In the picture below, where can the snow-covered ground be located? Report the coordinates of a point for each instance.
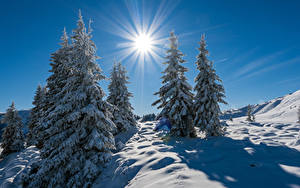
(246, 157)
(265, 153)
(12, 166)
(250, 155)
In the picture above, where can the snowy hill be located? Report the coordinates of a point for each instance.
(281, 109)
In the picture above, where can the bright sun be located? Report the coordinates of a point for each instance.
(143, 43)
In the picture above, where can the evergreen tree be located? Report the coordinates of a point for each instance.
(57, 80)
(209, 92)
(119, 97)
(298, 115)
(250, 115)
(35, 115)
(175, 96)
(12, 136)
(79, 128)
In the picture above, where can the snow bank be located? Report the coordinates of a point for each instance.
(12, 166)
(237, 160)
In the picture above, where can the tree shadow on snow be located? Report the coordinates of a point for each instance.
(239, 163)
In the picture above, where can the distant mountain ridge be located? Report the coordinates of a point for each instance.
(281, 109)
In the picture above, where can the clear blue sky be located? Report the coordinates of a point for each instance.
(255, 45)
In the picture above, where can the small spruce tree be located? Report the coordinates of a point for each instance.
(175, 96)
(79, 128)
(250, 115)
(298, 115)
(12, 136)
(119, 97)
(36, 116)
(209, 92)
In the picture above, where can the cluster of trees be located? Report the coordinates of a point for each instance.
(71, 123)
(148, 117)
(177, 101)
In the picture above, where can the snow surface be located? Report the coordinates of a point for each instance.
(249, 156)
(12, 166)
(265, 153)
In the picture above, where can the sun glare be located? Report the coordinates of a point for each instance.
(143, 43)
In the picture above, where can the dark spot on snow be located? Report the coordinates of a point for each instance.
(172, 169)
(151, 152)
(141, 147)
(162, 163)
(156, 143)
(163, 149)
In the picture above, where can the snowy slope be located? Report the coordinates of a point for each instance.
(282, 109)
(12, 166)
(250, 155)
(247, 157)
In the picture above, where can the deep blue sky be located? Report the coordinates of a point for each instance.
(255, 45)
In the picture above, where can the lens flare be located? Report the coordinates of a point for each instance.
(143, 43)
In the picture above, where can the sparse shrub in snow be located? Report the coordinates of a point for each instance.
(175, 96)
(209, 92)
(12, 136)
(36, 115)
(123, 116)
(79, 141)
(298, 115)
(250, 115)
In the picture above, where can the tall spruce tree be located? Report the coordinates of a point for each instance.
(175, 96)
(12, 136)
(36, 116)
(80, 139)
(119, 97)
(57, 80)
(209, 92)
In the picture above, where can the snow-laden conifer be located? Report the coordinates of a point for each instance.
(298, 114)
(56, 81)
(119, 97)
(79, 128)
(209, 92)
(12, 136)
(250, 115)
(36, 115)
(175, 96)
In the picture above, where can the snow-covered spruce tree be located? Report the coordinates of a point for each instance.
(12, 136)
(175, 96)
(209, 93)
(250, 116)
(119, 97)
(298, 113)
(35, 116)
(80, 139)
(55, 83)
